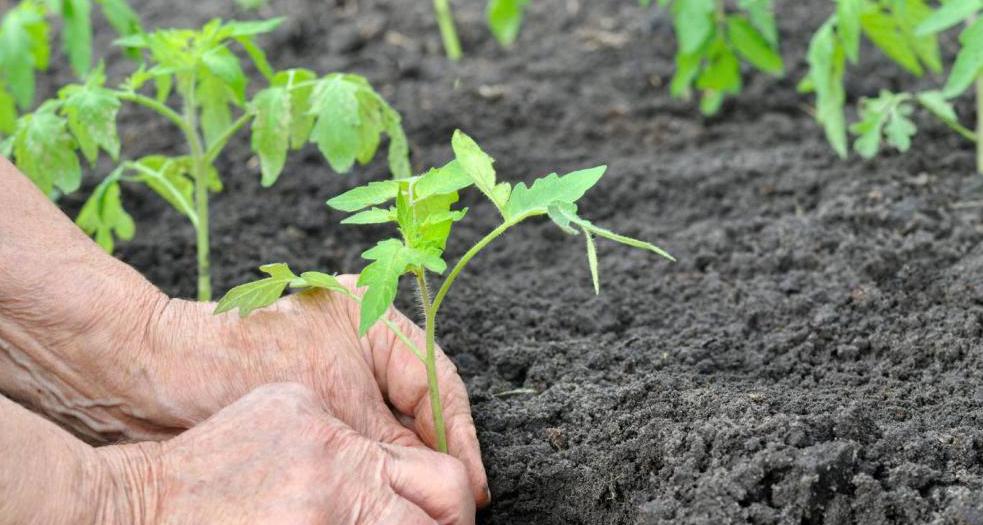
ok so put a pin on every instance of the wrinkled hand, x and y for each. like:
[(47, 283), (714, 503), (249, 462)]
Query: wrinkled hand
[(275, 456), (373, 384)]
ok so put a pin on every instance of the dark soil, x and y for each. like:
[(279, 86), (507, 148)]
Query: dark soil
[(813, 357)]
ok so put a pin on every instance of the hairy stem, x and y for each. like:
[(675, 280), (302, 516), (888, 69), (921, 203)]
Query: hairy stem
[(445, 20), (430, 362), (199, 172)]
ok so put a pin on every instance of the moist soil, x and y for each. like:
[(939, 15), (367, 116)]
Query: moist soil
[(813, 357)]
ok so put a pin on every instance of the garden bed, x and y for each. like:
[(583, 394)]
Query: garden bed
[(813, 357)]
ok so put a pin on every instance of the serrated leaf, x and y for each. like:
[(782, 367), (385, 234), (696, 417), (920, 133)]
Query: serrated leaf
[(449, 178), (372, 194), (505, 19), (753, 46), (949, 14), (91, 111), (390, 260), (336, 131), (45, 152), (550, 189), (478, 165), (887, 116), (370, 216), (77, 34), (225, 65), (968, 62), (566, 214), (103, 217), (258, 294), (271, 131)]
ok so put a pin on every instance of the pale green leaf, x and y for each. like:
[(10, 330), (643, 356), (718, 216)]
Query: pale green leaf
[(390, 259), (449, 178), (848, 26), (337, 129), (969, 61), (592, 261), (552, 188), (371, 216), (949, 14), (103, 216), (77, 34), (91, 111), (505, 18), (753, 46), (45, 152), (271, 131), (372, 194), (258, 294), (478, 165)]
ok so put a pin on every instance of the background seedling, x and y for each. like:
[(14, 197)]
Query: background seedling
[(25, 48), (340, 113), (424, 215)]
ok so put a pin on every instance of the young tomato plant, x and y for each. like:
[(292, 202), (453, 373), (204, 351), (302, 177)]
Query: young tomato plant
[(423, 213), (887, 115), (892, 26), (25, 50), (712, 42), (340, 113), (504, 19)]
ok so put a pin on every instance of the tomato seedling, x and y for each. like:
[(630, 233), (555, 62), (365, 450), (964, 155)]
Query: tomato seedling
[(888, 114), (25, 50), (423, 213), (711, 43), (340, 113)]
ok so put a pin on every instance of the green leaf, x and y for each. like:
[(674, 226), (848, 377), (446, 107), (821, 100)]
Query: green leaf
[(372, 194), (827, 61), (225, 65), (77, 34), (938, 105), (882, 30), (909, 15), (753, 46), (592, 262), (45, 152), (258, 294), (91, 111), (570, 213), (271, 131), (8, 112), (296, 81), (323, 281), (550, 189), (371, 216), (253, 27), (449, 178), (478, 165), (886, 115), (723, 71), (390, 261), (214, 96), (257, 55), (762, 16), (687, 68), (694, 23), (119, 15), (505, 19), (103, 216), (969, 61), (23, 48), (336, 131), (848, 26), (171, 179), (951, 13)]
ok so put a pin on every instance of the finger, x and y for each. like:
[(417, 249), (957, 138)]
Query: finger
[(372, 418), (403, 378), (401, 511), (437, 483)]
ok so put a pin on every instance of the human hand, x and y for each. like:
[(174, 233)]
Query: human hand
[(275, 456), (207, 361)]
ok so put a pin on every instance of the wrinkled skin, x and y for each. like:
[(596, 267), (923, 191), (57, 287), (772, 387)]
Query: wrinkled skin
[(292, 463)]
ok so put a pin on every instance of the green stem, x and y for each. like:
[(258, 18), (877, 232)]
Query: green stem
[(199, 172), (160, 108), (216, 148), (430, 362), (494, 234), (979, 123), (445, 20)]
